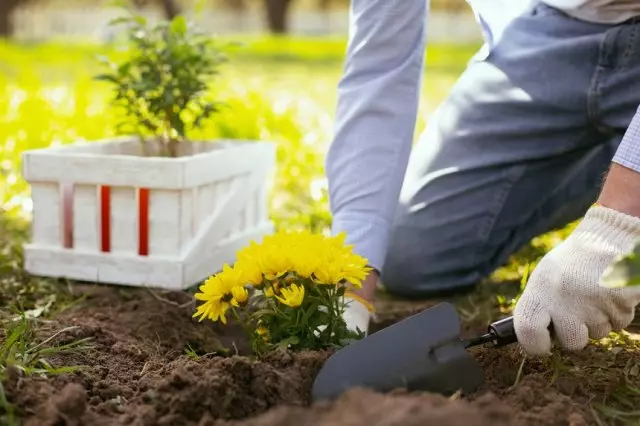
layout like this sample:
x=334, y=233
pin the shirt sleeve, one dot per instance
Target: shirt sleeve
x=378, y=97
x=628, y=153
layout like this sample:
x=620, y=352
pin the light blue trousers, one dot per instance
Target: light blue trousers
x=519, y=147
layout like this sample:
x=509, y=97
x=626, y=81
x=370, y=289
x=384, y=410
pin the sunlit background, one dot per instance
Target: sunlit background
x=279, y=84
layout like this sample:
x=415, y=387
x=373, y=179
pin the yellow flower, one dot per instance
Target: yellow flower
x=263, y=332
x=338, y=263
x=240, y=295
x=251, y=272
x=292, y=295
x=270, y=257
x=217, y=292
x=272, y=290
x=329, y=273
x=304, y=261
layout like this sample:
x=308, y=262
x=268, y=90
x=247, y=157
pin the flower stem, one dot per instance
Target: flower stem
x=243, y=324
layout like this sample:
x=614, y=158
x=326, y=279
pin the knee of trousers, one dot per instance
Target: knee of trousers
x=421, y=263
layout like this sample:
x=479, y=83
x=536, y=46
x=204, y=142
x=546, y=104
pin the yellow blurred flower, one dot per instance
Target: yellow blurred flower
x=251, y=272
x=240, y=296
x=327, y=259
x=272, y=290
x=218, y=293
x=263, y=332
x=292, y=295
x=270, y=257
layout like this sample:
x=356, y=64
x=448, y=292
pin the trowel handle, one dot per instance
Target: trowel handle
x=504, y=333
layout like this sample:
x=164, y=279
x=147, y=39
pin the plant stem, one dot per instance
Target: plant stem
x=243, y=324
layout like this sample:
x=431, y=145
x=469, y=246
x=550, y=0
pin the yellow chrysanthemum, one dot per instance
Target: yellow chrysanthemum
x=272, y=290
x=338, y=263
x=292, y=295
x=304, y=261
x=240, y=296
x=326, y=259
x=251, y=272
x=270, y=257
x=218, y=293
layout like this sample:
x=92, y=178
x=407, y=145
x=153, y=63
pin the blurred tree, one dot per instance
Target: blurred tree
x=236, y=5
x=7, y=7
x=277, y=12
x=170, y=8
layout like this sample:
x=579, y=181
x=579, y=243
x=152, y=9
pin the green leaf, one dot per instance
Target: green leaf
x=141, y=20
x=119, y=21
x=284, y=343
x=624, y=271
x=107, y=77
x=178, y=25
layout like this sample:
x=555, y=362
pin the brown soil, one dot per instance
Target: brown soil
x=138, y=373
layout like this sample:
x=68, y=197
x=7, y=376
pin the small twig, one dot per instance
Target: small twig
x=596, y=417
x=144, y=368
x=519, y=375
x=171, y=302
x=44, y=342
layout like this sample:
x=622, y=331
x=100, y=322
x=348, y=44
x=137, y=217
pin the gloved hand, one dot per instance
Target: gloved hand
x=357, y=313
x=564, y=289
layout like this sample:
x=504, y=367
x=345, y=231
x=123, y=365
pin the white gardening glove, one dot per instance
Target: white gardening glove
x=357, y=315
x=564, y=289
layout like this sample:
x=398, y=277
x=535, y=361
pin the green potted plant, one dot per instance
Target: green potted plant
x=154, y=207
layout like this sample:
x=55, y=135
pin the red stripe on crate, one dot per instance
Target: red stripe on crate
x=67, y=214
x=105, y=218
x=143, y=221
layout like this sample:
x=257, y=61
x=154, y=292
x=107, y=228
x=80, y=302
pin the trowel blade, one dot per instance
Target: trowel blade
x=423, y=352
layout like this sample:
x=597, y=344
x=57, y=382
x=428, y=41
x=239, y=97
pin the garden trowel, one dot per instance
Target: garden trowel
x=423, y=352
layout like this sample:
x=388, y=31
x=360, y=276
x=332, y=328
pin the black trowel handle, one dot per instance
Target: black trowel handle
x=503, y=332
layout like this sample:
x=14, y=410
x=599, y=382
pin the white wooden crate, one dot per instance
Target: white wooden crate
x=103, y=212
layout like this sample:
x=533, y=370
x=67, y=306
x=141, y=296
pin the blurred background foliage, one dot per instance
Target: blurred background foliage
x=278, y=87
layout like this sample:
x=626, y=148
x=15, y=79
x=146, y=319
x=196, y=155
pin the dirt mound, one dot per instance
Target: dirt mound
x=190, y=392
x=362, y=408
x=138, y=373
x=152, y=364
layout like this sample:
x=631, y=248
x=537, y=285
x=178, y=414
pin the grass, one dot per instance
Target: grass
x=24, y=353
x=279, y=89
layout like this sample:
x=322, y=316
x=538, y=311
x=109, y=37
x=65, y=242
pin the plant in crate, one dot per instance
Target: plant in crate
x=289, y=291
x=162, y=83
x=153, y=207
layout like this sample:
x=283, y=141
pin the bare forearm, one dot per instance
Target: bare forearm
x=621, y=190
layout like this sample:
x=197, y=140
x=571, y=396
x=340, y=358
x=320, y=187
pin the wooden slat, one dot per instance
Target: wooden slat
x=237, y=158
x=164, y=222
x=106, y=268
x=187, y=215
x=86, y=218
x=47, y=219
x=124, y=220
x=100, y=169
